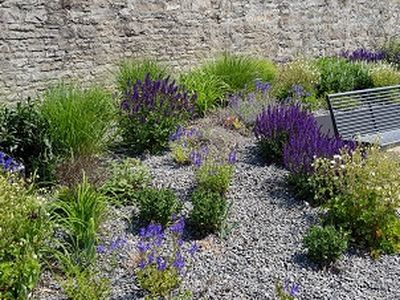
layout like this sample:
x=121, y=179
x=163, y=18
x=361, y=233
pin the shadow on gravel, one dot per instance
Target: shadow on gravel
x=130, y=296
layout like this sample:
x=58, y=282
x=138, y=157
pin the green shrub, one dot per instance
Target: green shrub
x=215, y=177
x=209, y=88
x=157, y=205
x=325, y=244
x=340, y=75
x=85, y=284
x=78, y=212
x=24, y=134
x=23, y=229
x=363, y=191
x=209, y=210
x=127, y=178
x=79, y=119
x=384, y=75
x=301, y=73
x=239, y=71
x=132, y=70
x=151, y=111
x=392, y=51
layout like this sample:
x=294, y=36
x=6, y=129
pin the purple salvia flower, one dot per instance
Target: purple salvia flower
x=179, y=262
x=178, y=226
x=193, y=249
x=161, y=264
x=195, y=157
x=101, y=249
x=232, y=157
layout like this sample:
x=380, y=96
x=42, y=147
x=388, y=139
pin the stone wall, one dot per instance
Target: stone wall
x=42, y=41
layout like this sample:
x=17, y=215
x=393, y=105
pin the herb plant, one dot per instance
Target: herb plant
x=325, y=244
x=157, y=205
x=151, y=111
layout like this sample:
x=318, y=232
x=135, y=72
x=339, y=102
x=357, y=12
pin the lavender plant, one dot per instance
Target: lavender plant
x=163, y=260
x=151, y=110
x=362, y=54
x=246, y=106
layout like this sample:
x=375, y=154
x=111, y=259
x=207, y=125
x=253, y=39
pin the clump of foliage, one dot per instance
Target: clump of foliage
x=239, y=72
x=209, y=210
x=392, y=51
x=163, y=259
x=363, y=191
x=325, y=244
x=214, y=175
x=78, y=213
x=151, y=111
x=79, y=119
x=247, y=105
x=209, y=88
x=85, y=284
x=300, y=72
x=340, y=75
x=384, y=75
x=132, y=70
x=127, y=178
x=23, y=230
x=24, y=134
x=157, y=205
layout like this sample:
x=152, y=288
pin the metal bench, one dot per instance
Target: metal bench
x=371, y=115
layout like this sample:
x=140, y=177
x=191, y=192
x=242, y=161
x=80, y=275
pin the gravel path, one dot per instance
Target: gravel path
x=263, y=247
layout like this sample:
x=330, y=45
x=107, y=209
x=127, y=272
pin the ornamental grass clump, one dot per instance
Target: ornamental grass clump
x=363, y=192
x=151, y=111
x=384, y=75
x=163, y=260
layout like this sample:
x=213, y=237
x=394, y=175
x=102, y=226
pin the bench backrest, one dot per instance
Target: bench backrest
x=365, y=112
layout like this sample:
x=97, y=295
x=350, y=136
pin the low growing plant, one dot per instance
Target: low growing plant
x=132, y=70
x=364, y=195
x=79, y=119
x=184, y=142
x=24, y=134
x=78, y=213
x=288, y=291
x=23, y=230
x=127, y=179
x=384, y=75
x=163, y=260
x=157, y=205
x=209, y=210
x=325, y=244
x=151, y=111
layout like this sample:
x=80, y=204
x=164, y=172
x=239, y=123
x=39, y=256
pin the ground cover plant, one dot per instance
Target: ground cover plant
x=151, y=111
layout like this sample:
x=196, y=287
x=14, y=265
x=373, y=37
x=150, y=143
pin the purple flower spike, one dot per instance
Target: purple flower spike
x=294, y=290
x=161, y=264
x=193, y=249
x=179, y=262
x=195, y=157
x=143, y=247
x=178, y=227
x=100, y=249
x=232, y=157
x=142, y=264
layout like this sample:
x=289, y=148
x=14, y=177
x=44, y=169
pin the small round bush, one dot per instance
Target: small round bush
x=151, y=111
x=157, y=205
x=339, y=75
x=325, y=244
x=384, y=75
x=209, y=210
x=215, y=177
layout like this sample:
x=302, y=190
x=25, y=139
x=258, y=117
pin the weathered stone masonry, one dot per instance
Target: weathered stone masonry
x=42, y=41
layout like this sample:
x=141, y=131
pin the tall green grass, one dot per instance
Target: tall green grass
x=79, y=119
x=239, y=71
x=78, y=213
x=209, y=88
x=131, y=70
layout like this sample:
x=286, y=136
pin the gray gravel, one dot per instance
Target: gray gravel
x=263, y=247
